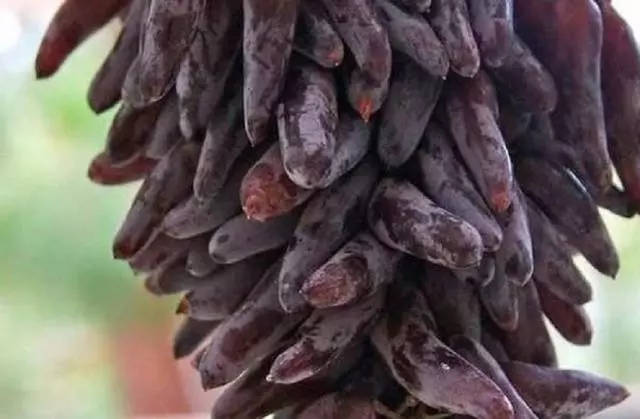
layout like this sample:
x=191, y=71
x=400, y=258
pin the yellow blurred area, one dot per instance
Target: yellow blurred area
x=80, y=337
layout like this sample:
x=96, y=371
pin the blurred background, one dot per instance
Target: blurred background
x=81, y=337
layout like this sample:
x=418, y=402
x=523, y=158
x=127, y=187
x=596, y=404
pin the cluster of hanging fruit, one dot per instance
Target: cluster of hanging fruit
x=370, y=206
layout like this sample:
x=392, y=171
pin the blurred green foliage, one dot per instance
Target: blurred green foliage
x=53, y=369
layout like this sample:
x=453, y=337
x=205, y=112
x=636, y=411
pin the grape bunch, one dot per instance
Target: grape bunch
x=370, y=206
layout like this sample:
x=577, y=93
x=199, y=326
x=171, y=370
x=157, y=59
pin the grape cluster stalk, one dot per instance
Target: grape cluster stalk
x=370, y=207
